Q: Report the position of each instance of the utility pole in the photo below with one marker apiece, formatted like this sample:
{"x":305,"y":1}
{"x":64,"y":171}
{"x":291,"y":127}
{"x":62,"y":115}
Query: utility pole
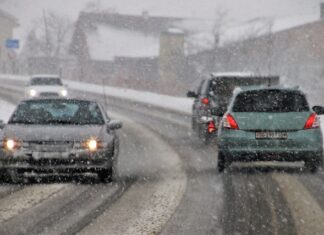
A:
{"x":46,"y":35}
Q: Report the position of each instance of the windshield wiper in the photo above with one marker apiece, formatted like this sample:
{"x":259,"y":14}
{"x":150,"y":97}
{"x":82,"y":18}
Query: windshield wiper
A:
{"x":63,"y":122}
{"x":22,"y":122}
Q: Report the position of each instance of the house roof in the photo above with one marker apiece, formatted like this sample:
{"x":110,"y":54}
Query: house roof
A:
{"x":152,"y":25}
{"x":10,"y":17}
{"x":110,"y":35}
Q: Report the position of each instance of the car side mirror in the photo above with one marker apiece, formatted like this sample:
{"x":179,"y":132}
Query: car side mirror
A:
{"x":318,"y":110}
{"x":114,"y":125}
{"x":217,"y":111}
{"x":2,"y":124}
{"x":192,"y":94}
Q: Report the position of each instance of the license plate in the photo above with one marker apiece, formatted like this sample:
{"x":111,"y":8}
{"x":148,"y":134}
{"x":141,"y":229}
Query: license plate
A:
{"x":44,"y":155}
{"x":271,"y":135}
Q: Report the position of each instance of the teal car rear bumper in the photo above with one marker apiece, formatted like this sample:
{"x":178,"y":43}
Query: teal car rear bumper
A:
{"x":303,"y":145}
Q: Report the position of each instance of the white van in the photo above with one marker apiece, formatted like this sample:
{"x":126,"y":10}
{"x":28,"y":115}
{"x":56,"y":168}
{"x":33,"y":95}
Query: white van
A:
{"x":45,"y":85}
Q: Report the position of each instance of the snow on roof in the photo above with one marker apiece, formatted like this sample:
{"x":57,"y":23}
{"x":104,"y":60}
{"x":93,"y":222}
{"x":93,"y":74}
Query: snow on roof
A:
{"x":45,"y":76}
{"x":175,"y":31}
{"x":107,"y":42}
{"x":232,"y":74}
{"x":9,"y":16}
{"x":111,"y":40}
{"x":260,"y":26}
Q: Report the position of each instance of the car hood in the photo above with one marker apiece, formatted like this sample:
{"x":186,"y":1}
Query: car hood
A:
{"x":46,"y":88}
{"x":52,"y":133}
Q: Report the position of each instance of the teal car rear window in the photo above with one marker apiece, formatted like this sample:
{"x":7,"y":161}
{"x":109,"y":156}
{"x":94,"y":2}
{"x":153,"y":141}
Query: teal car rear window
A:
{"x":271,"y":101}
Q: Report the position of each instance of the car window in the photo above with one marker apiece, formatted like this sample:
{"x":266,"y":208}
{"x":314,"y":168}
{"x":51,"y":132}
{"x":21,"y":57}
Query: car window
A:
{"x":41,"y":81}
{"x":270,"y":101}
{"x":200,"y":87}
{"x":57,"y":112}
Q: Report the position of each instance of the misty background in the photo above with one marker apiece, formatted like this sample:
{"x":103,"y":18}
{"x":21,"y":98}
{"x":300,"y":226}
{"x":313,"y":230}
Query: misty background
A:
{"x":167,"y":46}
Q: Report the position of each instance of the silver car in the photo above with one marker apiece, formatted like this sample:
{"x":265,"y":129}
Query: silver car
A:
{"x":57,"y":135}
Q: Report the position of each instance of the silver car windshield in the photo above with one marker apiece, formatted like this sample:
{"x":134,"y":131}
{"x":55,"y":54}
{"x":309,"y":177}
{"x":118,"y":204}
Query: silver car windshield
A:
{"x":72,"y":112}
{"x":42,"y":81}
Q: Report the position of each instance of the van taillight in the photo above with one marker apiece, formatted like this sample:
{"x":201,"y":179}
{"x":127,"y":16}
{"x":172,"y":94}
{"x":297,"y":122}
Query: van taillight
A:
{"x":229,"y":122}
{"x":312,"y":122}
{"x":205,"y":101}
{"x":211,"y":127}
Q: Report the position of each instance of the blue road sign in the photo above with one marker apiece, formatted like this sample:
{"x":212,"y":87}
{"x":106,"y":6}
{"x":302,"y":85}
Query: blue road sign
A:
{"x":12,"y":43}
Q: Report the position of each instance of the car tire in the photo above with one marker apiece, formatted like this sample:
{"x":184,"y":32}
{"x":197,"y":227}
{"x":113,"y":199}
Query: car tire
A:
{"x":313,"y":165}
{"x":106,"y":175}
{"x":16,"y":177}
{"x":222,"y":163}
{"x":194,"y":125}
{"x":204,"y":137}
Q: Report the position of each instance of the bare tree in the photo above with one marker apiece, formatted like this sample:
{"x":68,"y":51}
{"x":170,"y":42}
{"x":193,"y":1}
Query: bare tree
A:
{"x":219,"y":24}
{"x":257,"y":28}
{"x":50,"y":36}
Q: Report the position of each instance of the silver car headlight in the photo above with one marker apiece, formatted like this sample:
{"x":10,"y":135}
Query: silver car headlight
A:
{"x":11,"y":144}
{"x":92,"y":144}
{"x":64,"y":92}
{"x":32,"y":93}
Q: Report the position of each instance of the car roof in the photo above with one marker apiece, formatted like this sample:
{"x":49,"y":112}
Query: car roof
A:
{"x":232,"y":74}
{"x":239,"y":90}
{"x":45,"y":76}
{"x":265,"y":87}
{"x":59,"y":98}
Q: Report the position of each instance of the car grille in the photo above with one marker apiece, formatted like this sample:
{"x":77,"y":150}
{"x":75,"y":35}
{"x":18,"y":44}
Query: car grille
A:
{"x":48,"y":94}
{"x":56,"y":162}
{"x":49,"y":146}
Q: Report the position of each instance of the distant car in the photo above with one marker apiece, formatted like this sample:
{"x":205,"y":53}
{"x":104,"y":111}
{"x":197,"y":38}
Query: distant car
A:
{"x":59,"y":136}
{"x":216,"y":91}
{"x":270,"y":124}
{"x":45,"y":86}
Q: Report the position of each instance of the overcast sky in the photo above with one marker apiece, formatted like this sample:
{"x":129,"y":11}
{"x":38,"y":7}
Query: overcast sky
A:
{"x":239,"y":11}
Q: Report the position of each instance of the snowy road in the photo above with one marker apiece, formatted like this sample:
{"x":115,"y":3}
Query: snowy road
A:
{"x":168,"y":184}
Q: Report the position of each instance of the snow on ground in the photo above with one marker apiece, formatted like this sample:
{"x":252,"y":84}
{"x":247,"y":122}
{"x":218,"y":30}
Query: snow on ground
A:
{"x":163,"y":101}
{"x":181,"y":104}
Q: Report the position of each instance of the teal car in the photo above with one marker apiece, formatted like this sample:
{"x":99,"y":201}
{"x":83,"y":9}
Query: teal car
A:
{"x":270,"y":124}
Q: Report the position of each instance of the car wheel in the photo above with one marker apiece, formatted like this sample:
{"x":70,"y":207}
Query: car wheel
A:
{"x":313,"y":165}
{"x":204,"y":137}
{"x":105,"y":175}
{"x":16,"y":177}
{"x":4,"y":177}
{"x":222,"y":164}
{"x":193,"y":124}
{"x":109,"y":174}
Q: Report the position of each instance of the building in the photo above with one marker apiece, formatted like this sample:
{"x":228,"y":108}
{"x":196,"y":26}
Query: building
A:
{"x":296,"y":54}
{"x":142,"y":50}
{"x":7,"y":56}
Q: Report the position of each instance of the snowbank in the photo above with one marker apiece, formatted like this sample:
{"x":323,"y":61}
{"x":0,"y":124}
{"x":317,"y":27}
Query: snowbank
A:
{"x":6,"y":110}
{"x":163,"y":101}
{"x":179,"y":104}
